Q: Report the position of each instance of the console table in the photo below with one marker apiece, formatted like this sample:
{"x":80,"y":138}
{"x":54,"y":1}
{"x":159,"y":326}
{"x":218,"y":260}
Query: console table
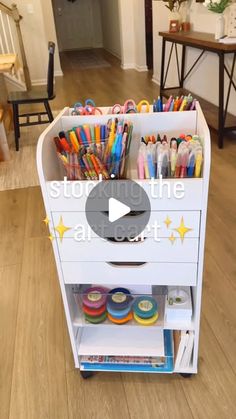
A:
{"x":204,"y":42}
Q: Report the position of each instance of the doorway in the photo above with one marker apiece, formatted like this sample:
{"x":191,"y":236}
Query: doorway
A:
{"x":149,"y":33}
{"x":75,"y":24}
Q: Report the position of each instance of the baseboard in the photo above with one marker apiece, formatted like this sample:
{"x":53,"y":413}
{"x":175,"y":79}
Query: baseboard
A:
{"x":141,"y":68}
{"x":156,"y":79}
{"x":58,"y":73}
{"x":136,"y":67}
{"x":128,"y":66}
{"x":40,"y":82}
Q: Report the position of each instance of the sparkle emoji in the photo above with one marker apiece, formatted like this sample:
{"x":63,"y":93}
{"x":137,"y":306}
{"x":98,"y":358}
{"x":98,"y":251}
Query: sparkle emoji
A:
{"x":167,"y":221}
{"x":172,"y":238}
{"x":46,"y":221}
{"x":61,"y":229}
{"x":182,"y":229}
{"x":51,"y":237}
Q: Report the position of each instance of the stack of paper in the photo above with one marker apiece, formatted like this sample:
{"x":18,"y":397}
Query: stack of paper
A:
{"x":228,"y":40}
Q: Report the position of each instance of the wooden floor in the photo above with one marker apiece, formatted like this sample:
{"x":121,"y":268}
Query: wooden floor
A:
{"x":37,"y":375}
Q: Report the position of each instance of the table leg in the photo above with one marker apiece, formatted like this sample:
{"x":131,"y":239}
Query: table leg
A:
{"x":221,"y":102}
{"x":163,"y":54}
{"x":182,"y":66}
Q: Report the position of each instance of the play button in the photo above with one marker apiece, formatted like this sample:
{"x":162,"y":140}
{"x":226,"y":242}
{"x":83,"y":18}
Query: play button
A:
{"x":117,"y":209}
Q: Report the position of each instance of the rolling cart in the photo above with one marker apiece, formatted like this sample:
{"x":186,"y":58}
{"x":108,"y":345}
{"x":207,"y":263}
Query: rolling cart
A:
{"x":145,"y":268}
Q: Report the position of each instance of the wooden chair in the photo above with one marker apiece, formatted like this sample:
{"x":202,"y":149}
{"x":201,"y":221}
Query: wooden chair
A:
{"x":34,"y":96}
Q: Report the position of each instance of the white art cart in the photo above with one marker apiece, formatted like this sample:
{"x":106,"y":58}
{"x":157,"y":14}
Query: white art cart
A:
{"x":140,"y":266}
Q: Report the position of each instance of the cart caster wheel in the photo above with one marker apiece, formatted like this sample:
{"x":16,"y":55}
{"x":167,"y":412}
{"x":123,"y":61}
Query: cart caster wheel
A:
{"x":185,"y":375}
{"x":86,"y":374}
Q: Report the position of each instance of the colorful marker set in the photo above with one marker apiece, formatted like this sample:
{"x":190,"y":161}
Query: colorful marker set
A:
{"x":175,"y":104}
{"x":119,"y":306}
{"x":91,"y":150}
{"x":178,"y":158}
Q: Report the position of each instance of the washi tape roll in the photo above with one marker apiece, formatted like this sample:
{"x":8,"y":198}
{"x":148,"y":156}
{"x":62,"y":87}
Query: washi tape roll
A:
{"x":120,"y":321}
{"x":95,"y":297}
{"x":145,"y":307}
{"x":94,"y":312}
{"x":96,"y":320}
{"x":119,"y":299}
{"x":118,"y":314}
{"x":146,"y":322}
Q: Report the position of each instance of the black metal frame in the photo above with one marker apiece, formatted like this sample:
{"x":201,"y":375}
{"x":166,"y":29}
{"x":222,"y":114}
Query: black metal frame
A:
{"x":39,"y":121}
{"x":182,"y":76}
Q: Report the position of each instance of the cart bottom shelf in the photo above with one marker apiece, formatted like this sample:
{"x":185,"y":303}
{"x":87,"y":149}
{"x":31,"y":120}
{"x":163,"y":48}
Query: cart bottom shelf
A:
{"x":154,"y":355}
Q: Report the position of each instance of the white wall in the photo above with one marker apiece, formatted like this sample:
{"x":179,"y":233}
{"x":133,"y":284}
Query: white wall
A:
{"x":132,"y":27}
{"x":204,"y":78}
{"x":111,"y":26}
{"x":97,"y":24}
{"x":36,"y":33}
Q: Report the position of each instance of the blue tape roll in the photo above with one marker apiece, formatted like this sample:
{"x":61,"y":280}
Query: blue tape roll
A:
{"x":119,"y":298}
{"x":119,"y":314}
{"x":145,"y":307}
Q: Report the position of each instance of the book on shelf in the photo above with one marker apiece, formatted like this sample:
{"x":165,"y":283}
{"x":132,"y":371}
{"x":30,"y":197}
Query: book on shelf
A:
{"x":183,"y":346}
{"x":186,"y":359}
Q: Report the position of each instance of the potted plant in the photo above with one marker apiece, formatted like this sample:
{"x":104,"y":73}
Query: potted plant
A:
{"x":218,"y":6}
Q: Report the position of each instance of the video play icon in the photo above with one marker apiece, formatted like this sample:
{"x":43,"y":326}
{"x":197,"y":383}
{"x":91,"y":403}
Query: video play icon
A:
{"x":117,"y":209}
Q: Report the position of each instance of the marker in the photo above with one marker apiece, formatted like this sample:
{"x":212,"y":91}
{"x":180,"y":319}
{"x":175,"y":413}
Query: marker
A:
{"x":87,"y":133}
{"x":97,"y":134}
{"x":74,"y":141}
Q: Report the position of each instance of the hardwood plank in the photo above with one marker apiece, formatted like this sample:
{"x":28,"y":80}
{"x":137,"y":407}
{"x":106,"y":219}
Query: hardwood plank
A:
{"x":39,"y":382}
{"x":219,"y":307}
{"x":12,"y":225}
{"x":155,"y":396}
{"x":102,"y":396}
{"x":35,"y":226}
{"x":9,"y":292}
{"x":211,"y":394}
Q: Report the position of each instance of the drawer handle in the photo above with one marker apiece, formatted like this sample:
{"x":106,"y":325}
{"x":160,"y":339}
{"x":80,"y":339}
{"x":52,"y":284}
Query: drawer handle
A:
{"x":129,"y":264}
{"x":130,"y":214}
{"x":125,"y":240}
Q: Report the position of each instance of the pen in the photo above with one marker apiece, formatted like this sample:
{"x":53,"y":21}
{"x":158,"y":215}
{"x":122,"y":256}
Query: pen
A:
{"x":74,"y":141}
{"x":140,"y":164}
{"x":178,"y":166}
{"x":173,"y":159}
{"x":176,"y":103}
{"x":184,"y":163}
{"x":198,"y":164}
{"x":191,"y":164}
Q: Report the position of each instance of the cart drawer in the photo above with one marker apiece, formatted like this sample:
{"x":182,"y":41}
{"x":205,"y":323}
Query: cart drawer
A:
{"x":161,"y":223}
{"x":148,"y":250}
{"x":165,"y":198}
{"x":145,"y":273}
